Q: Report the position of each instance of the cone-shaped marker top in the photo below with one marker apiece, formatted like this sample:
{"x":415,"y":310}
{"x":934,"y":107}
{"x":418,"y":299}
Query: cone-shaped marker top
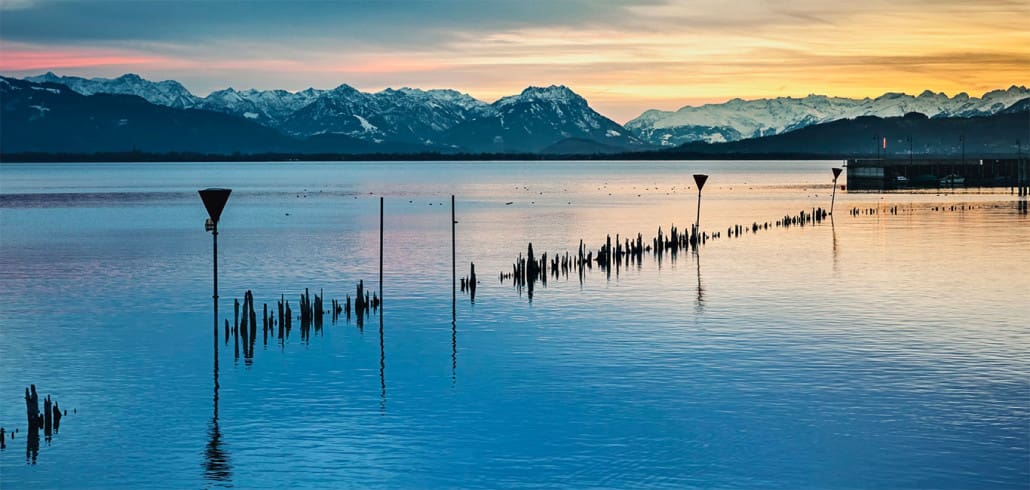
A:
{"x":700,"y":179}
{"x":214,"y":201}
{"x":836,"y":172}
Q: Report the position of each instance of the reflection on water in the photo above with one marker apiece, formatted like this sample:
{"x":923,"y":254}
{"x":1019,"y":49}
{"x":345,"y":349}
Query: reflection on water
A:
{"x":382,"y":365}
{"x":700,"y":288}
{"x":217,"y":467}
{"x":895,"y":359}
{"x":833,"y":231}
{"x":31,"y":446}
{"x":454,"y":352}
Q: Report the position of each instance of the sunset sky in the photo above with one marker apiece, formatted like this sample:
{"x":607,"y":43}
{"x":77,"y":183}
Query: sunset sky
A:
{"x":623,"y":56}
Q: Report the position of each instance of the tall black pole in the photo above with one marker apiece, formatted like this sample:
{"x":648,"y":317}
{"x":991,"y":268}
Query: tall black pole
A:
{"x":454,"y":294}
{"x":214,"y":201}
{"x":697,"y":221}
{"x":214,"y":297}
{"x":380,"y":256}
{"x":833,"y":197}
{"x":454,"y":263}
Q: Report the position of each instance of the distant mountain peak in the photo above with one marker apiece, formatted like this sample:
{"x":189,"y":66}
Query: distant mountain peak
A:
{"x":343,"y":88}
{"x":550,"y":93}
{"x":557,"y":94}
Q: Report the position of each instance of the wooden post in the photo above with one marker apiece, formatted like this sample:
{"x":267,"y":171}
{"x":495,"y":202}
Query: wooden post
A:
{"x":47,"y":414}
{"x":253,"y":321}
{"x":32,"y":408}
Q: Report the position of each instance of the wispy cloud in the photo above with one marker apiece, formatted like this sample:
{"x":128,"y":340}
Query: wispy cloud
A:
{"x":19,"y":58}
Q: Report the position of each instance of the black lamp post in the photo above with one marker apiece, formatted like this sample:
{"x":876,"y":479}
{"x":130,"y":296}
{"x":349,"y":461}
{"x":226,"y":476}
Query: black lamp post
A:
{"x":214,"y":201}
{"x":700,"y":180}
{"x":833,"y":197}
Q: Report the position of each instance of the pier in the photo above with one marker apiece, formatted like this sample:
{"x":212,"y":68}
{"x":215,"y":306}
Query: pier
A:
{"x":882,"y":174}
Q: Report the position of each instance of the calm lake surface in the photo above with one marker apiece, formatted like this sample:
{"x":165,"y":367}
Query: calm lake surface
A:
{"x":877,"y":351}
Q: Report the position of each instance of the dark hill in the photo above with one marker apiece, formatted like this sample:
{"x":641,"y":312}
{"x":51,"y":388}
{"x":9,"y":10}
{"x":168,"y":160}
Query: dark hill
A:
{"x":864,"y":136}
{"x":52,"y":118}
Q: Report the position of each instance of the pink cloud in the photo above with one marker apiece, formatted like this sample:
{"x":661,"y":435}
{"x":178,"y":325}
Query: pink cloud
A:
{"x":22,"y":59}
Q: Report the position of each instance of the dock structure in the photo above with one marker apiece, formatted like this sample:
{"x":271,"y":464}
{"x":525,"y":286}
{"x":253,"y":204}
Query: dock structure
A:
{"x":884,"y":174}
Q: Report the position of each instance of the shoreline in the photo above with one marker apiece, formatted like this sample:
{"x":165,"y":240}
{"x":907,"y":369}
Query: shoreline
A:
{"x":146,"y":157}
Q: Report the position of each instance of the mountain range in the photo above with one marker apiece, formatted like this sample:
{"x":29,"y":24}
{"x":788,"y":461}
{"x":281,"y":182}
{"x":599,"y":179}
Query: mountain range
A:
{"x":442,"y":120}
{"x":996,"y":135}
{"x":743,"y":119}
{"x":51,"y":113}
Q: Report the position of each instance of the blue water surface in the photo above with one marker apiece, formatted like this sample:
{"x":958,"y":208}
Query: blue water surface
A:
{"x":878,"y":350}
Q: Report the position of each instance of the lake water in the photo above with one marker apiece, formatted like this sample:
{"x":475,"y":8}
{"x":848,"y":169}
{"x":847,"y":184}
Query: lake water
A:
{"x":874,"y":351}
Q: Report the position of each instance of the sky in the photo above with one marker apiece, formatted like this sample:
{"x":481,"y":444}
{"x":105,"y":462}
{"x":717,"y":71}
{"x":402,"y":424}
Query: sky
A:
{"x":624,"y":57}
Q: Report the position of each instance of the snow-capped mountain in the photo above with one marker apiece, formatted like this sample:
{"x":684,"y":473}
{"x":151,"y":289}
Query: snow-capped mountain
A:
{"x":167,"y":93}
{"x":550,"y":119}
{"x":268,"y":107}
{"x":536,"y":119}
{"x":407,"y":115}
{"x":51,"y":118}
{"x":739,"y":119}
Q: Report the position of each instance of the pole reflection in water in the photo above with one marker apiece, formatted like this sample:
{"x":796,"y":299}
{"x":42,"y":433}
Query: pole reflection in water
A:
{"x":454,"y":295}
{"x":700,"y":288}
{"x":382,"y":292}
{"x":454,"y":351}
{"x":833,"y":230}
{"x":382,"y":365}
{"x":216,"y":460}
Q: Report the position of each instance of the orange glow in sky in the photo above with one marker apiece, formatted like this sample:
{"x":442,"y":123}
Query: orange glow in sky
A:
{"x":662,"y":54}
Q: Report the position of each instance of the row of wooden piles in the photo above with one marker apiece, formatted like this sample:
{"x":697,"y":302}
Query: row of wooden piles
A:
{"x":528,"y":269}
{"x":894,"y":209}
{"x":620,"y":253}
{"x":816,"y":216}
{"x":311,"y":316}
